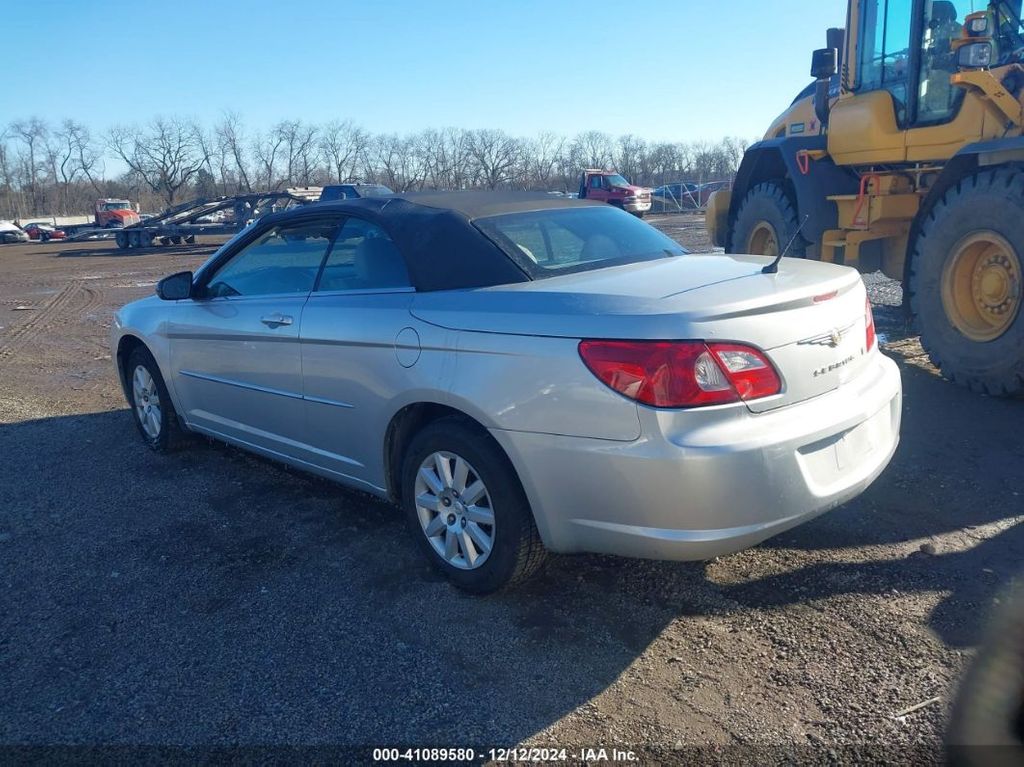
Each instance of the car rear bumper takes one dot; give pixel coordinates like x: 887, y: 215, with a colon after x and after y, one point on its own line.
x: 704, y: 483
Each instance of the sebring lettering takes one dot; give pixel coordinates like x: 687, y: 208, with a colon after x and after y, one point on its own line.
x: 835, y: 366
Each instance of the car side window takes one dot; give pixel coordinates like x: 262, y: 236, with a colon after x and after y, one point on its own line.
x: 284, y: 259
x: 595, y: 182
x: 546, y: 243
x: 363, y: 258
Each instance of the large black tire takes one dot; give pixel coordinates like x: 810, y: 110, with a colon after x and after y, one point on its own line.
x: 767, y: 210
x: 517, y: 551
x: 987, y: 204
x: 170, y: 435
x: 122, y: 239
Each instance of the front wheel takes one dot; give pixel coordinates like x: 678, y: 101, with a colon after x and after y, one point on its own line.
x: 766, y: 223
x: 966, y: 283
x: 467, y: 509
x: 150, y: 402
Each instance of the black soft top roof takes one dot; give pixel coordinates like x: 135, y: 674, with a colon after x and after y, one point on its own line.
x: 469, y: 204
x: 434, y: 231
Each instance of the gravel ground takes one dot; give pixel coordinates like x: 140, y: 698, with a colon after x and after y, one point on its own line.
x: 213, y: 598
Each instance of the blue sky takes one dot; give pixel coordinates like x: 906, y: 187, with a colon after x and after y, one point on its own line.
x: 676, y: 70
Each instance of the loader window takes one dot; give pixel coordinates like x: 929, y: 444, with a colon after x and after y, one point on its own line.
x: 885, y: 50
x: 938, y: 101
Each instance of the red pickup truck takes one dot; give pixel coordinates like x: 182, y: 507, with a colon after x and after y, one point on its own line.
x: 608, y: 186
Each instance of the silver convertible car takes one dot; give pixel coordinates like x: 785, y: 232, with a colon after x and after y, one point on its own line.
x: 522, y: 375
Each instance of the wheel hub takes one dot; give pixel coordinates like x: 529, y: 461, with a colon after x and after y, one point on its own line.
x: 992, y: 284
x: 981, y: 286
x: 763, y: 241
x: 456, y: 516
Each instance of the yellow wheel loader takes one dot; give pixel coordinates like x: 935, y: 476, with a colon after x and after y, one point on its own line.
x: 907, y: 155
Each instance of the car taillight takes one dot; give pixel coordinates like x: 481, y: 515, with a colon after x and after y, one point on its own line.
x: 869, y: 318
x: 681, y: 374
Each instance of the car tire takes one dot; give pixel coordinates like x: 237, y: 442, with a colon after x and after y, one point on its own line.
x: 154, y: 416
x: 766, y: 222
x: 970, y: 242
x: 449, y: 524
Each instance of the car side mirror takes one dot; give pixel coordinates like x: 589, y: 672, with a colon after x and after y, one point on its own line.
x: 176, y: 287
x: 824, y: 63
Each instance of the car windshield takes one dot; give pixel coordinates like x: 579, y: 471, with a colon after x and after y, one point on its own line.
x: 373, y: 190
x: 547, y: 243
x: 616, y: 180
x: 116, y: 206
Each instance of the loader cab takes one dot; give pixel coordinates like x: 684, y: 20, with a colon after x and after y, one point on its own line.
x: 898, y: 103
x: 907, y: 48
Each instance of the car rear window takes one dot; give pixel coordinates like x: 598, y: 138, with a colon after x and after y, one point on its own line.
x: 546, y: 243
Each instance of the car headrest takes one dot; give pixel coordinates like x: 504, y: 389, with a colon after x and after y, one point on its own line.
x: 600, y: 247
x: 379, y: 264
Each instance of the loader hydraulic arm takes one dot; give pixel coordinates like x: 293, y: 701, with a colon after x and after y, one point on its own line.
x: 993, y: 89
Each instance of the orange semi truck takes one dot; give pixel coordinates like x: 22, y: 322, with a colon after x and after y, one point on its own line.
x: 115, y: 214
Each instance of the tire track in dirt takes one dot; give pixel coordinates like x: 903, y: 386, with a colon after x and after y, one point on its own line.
x: 40, y: 321
x: 95, y: 300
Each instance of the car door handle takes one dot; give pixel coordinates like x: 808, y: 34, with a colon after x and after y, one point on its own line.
x: 276, y: 320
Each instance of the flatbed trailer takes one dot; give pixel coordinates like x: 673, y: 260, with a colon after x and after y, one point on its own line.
x: 219, y: 216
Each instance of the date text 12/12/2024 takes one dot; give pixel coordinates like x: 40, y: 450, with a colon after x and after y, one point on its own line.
x: 512, y: 754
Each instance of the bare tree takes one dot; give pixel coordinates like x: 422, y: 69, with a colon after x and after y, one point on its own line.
x: 594, y: 149
x: 32, y: 133
x: 230, y: 138
x: 266, y: 149
x: 496, y: 155
x: 10, y: 193
x: 444, y: 158
x: 166, y: 154
x: 629, y: 151
x: 343, y: 146
x: 298, y: 142
x: 71, y: 154
x: 60, y: 169
x: 395, y: 163
x: 83, y: 148
x: 544, y: 155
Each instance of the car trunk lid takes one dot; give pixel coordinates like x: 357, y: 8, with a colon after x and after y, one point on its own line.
x: 808, y: 317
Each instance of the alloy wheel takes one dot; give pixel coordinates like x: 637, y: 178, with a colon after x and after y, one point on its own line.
x: 147, y: 402
x: 454, y: 510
